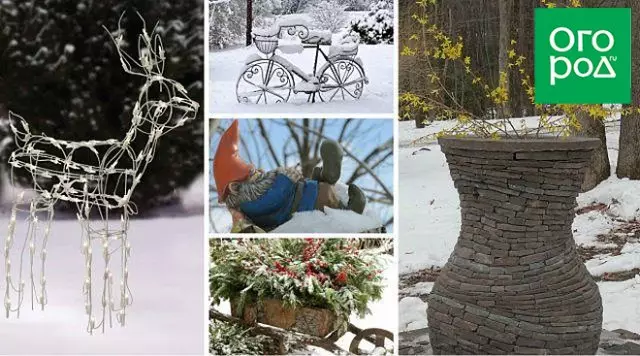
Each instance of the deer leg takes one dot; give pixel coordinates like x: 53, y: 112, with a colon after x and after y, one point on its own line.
x: 43, y: 252
x: 87, y: 251
x: 37, y: 253
x: 11, y: 286
x: 39, y: 205
x: 116, y: 244
x: 111, y: 240
x: 125, y: 252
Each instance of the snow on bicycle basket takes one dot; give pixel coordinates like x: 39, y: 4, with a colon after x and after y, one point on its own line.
x: 271, y: 78
x: 96, y: 189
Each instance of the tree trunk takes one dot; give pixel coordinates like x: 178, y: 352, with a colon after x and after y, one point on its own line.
x: 505, y: 8
x: 599, y: 167
x: 629, y: 156
x: 515, y: 77
x: 249, y: 22
x: 525, y: 48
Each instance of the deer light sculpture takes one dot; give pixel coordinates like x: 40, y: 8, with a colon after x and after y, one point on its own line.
x: 104, y: 186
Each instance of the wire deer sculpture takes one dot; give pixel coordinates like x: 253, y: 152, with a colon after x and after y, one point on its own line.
x: 105, y: 185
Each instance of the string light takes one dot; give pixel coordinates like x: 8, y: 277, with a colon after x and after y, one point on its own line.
x: 86, y: 186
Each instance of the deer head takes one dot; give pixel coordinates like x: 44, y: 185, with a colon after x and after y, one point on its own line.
x: 163, y: 103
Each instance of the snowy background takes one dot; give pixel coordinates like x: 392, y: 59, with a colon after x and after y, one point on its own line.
x: 228, y: 52
x: 605, y: 229
x: 370, y: 140
x: 166, y: 280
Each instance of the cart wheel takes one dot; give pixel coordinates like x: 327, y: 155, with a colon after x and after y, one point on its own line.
x: 341, y: 79
x: 377, y: 337
x: 264, y: 81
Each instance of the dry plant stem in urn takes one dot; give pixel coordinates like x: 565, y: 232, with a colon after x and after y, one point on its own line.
x: 514, y: 283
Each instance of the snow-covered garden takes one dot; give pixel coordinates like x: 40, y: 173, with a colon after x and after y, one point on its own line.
x: 359, y: 32
x: 605, y: 229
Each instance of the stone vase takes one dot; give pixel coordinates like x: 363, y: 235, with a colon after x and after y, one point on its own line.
x: 514, y: 283
x: 311, y: 321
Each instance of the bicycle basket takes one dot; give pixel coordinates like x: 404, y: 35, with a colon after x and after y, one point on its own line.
x: 266, y: 44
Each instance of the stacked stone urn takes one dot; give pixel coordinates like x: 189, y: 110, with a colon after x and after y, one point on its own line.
x: 514, y: 283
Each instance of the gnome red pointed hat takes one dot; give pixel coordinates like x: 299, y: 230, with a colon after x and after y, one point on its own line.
x: 228, y: 167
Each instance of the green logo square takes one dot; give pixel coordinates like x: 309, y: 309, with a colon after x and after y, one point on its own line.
x: 582, y: 56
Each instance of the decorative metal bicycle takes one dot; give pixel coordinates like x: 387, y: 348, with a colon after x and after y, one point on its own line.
x: 272, y: 78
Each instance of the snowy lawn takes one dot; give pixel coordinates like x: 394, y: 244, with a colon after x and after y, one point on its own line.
x: 226, y: 66
x: 166, y: 277
x: 430, y: 224
x: 381, y: 316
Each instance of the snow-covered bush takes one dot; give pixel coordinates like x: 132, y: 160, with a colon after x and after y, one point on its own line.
x: 230, y: 339
x: 356, y: 5
x: 328, y: 15
x: 227, y: 23
x: 295, y: 6
x: 376, y: 26
x: 322, y: 273
x: 228, y: 19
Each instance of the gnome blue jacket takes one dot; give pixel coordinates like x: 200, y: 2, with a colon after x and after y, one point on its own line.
x: 276, y: 205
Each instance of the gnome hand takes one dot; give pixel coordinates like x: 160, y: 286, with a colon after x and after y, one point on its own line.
x: 237, y: 216
x: 242, y: 224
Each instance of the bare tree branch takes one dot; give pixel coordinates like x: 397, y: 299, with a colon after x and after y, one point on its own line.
x: 388, y: 222
x: 321, y: 130
x: 386, y: 146
x: 267, y: 140
x: 344, y: 129
x: 294, y: 135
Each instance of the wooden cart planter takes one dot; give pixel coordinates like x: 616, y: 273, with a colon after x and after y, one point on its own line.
x: 311, y: 321
x: 312, y: 326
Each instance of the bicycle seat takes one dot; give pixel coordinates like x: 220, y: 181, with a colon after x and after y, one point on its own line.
x: 316, y: 37
x: 347, y: 46
x: 343, y: 49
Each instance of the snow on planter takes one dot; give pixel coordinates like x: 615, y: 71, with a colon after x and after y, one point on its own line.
x: 514, y: 283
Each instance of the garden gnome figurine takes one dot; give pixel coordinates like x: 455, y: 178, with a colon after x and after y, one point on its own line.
x: 260, y: 201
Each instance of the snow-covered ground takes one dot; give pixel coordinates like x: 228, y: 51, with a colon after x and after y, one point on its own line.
x: 331, y: 221
x: 226, y: 66
x: 430, y: 222
x: 166, y: 278
x: 381, y: 315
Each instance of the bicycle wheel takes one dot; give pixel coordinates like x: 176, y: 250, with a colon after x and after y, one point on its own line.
x: 341, y: 79
x: 264, y: 81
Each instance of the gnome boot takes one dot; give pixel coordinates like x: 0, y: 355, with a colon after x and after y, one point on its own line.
x: 357, y: 200
x: 331, y: 169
